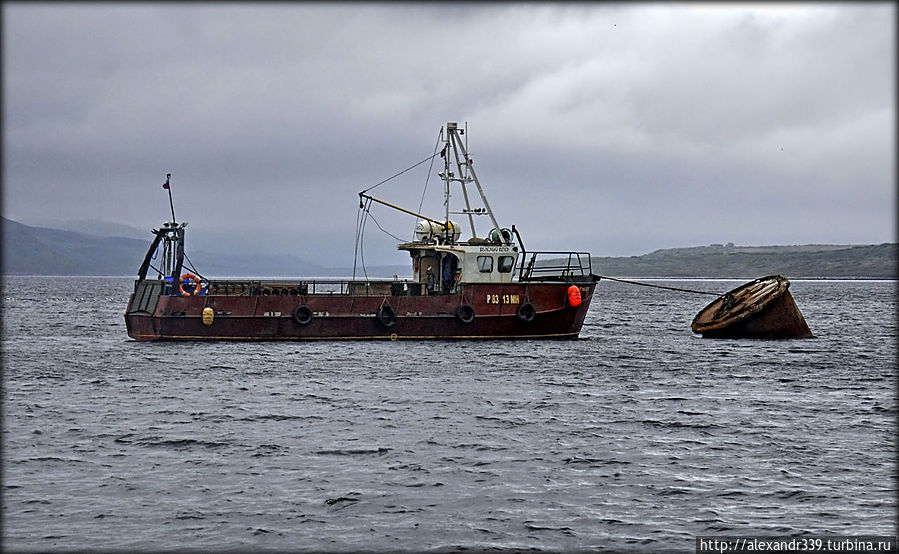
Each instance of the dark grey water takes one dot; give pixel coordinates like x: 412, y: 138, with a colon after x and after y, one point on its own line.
x: 640, y: 435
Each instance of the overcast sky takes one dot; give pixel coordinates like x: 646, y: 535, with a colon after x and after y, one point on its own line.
x: 613, y: 128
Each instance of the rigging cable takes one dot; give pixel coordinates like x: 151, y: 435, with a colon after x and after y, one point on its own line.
x: 401, y: 172
x: 155, y: 255
x: 365, y: 213
x: 365, y: 208
x: 430, y: 168
x: 382, y: 229
x: 362, y: 241
x: 359, y: 252
x: 356, y: 244
x: 661, y: 286
x: 190, y: 265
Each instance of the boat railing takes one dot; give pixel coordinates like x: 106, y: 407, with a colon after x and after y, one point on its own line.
x: 554, y: 265
x: 259, y: 287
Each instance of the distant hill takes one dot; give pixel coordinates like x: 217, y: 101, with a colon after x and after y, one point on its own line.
x: 92, y: 227
x: 40, y: 251
x: 796, y: 262
x: 29, y: 250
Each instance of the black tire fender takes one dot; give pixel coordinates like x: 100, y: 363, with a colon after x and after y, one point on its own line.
x: 526, y: 312
x: 302, y: 314
x: 465, y: 313
x: 386, y: 316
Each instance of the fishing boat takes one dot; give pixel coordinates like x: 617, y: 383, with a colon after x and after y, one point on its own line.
x: 485, y: 287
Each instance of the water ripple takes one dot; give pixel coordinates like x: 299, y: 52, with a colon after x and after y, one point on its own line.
x: 637, y: 437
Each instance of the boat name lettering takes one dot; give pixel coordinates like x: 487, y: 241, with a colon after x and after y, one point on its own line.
x: 494, y: 249
x: 503, y: 299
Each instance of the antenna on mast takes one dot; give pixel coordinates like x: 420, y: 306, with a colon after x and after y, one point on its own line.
x: 167, y: 186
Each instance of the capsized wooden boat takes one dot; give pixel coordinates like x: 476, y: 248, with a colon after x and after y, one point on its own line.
x: 486, y: 287
x: 760, y: 309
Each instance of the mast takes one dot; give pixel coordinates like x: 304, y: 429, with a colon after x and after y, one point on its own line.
x: 457, y: 146
x: 169, y: 241
x: 168, y: 186
x: 464, y: 178
x: 447, y: 174
x: 467, y: 174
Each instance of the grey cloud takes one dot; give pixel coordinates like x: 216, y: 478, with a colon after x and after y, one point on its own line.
x: 636, y: 125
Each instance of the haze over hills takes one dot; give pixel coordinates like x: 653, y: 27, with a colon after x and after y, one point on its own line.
x: 31, y: 250
x: 91, y: 227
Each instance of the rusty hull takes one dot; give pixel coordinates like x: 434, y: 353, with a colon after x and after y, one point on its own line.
x: 760, y: 309
x: 354, y: 316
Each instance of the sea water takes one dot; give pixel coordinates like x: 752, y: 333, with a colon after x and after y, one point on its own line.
x: 639, y: 435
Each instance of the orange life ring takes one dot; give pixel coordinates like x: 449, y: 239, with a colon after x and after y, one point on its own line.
x: 185, y: 279
x: 574, y: 296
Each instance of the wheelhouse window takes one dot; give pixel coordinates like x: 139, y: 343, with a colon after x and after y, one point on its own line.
x: 505, y: 264
x: 485, y: 264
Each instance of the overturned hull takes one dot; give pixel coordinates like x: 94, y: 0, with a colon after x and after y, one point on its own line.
x: 293, y: 312
x: 760, y: 309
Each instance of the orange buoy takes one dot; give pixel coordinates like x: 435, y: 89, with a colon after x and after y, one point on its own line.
x: 574, y: 296
x: 186, y: 280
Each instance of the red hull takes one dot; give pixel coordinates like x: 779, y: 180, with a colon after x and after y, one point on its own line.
x: 343, y: 316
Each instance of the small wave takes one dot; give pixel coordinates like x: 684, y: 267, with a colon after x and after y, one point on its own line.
x: 184, y: 443
x: 353, y: 451
x: 190, y: 515
x: 268, y: 450
x: 719, y: 527
x: 481, y: 447
x: 635, y: 540
x: 675, y: 491
x: 419, y: 485
x: 506, y: 422
x: 407, y: 467
x: 53, y: 459
x: 153, y: 442
x: 395, y: 509
x: 531, y: 526
x: 730, y: 494
x: 612, y: 521
x: 656, y: 423
x: 279, y: 417
x: 593, y: 461
x: 342, y: 501
x: 798, y: 495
